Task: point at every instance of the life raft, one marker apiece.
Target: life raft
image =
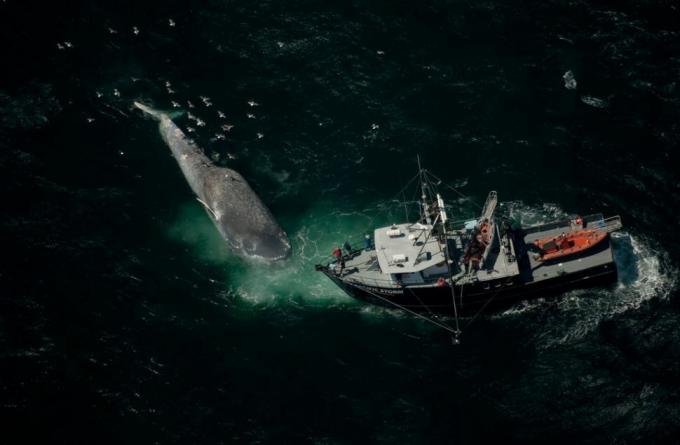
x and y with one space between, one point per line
568 243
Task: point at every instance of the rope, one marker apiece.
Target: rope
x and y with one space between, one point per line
454 189
404 308
479 312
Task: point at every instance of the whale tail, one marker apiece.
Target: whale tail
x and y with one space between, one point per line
148 110
155 113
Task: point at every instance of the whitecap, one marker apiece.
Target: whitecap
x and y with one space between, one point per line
569 80
594 101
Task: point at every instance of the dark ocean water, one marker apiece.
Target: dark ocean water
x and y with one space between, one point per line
124 319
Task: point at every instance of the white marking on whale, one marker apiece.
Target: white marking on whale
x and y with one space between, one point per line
238 213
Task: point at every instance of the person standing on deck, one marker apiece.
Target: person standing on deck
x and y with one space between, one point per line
348 247
367 242
337 254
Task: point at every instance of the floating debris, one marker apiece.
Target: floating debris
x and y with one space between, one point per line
594 101
569 80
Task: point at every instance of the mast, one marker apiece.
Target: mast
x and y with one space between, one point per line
423 195
443 242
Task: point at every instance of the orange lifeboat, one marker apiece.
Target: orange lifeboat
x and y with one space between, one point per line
568 243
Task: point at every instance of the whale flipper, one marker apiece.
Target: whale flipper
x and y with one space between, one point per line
207 207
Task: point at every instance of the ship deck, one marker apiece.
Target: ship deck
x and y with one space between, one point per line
535 270
362 266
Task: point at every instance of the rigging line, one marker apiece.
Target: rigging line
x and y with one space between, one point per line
454 189
479 312
422 304
404 308
416 295
406 186
447 258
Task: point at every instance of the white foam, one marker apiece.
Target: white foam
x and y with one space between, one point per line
645 273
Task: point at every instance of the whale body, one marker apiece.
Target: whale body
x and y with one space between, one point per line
238 213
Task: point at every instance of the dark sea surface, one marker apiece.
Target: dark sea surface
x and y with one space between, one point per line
125 319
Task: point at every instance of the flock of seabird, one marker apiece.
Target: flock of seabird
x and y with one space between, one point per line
205 100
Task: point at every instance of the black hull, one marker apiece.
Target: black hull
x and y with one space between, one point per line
492 296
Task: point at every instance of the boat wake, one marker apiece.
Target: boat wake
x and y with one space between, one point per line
645 273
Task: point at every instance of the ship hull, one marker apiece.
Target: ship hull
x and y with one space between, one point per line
472 298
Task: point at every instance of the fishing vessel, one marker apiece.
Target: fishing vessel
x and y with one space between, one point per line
436 265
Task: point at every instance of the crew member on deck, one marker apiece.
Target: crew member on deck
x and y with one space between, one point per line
347 247
579 222
368 244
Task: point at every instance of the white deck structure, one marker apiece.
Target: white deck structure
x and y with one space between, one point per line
407 248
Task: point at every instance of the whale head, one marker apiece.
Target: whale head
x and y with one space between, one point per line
266 246
241 217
